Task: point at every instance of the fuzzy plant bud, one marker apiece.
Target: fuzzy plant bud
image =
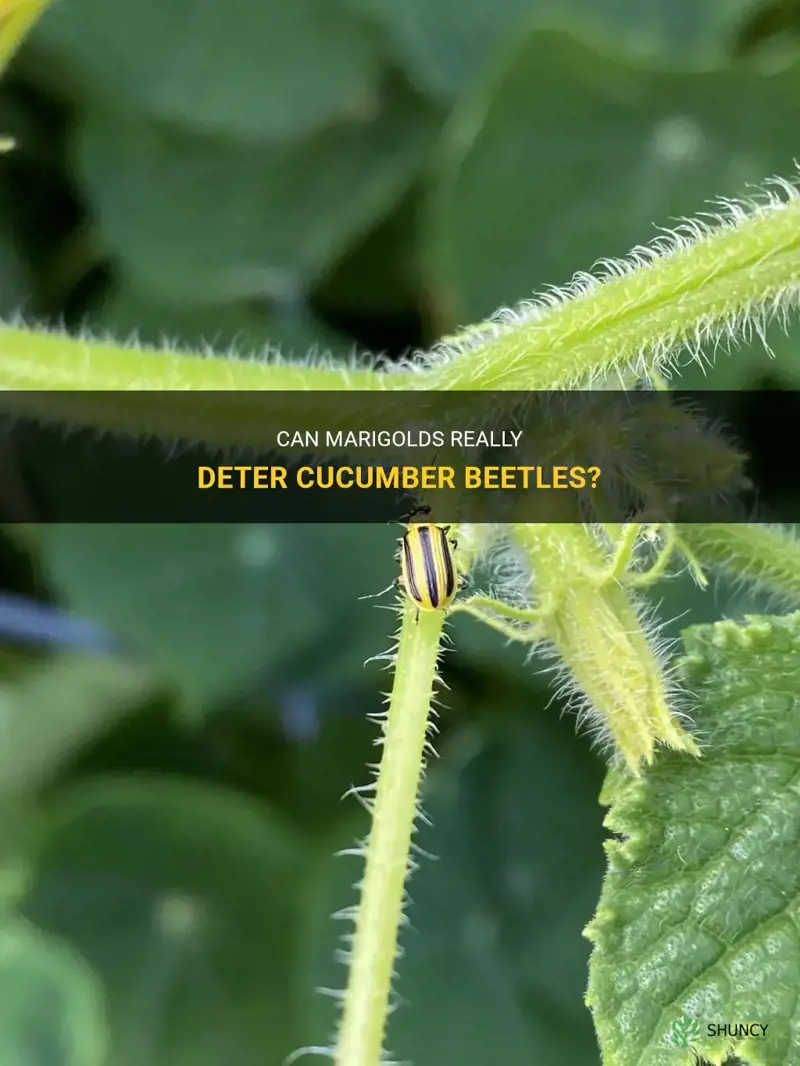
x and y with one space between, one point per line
613 667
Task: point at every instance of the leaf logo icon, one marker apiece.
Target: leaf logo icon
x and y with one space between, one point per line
684 1032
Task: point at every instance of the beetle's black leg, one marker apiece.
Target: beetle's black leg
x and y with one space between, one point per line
423 508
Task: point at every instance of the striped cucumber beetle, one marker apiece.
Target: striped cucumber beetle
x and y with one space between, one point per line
429 572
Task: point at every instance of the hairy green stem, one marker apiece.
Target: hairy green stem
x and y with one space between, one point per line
37 359
366 1004
706 285
767 555
693 293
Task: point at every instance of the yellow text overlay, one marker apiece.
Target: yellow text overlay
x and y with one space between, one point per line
398 477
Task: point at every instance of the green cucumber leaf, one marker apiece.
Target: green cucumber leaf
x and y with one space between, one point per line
249 69
183 898
52 1011
698 924
447 44
196 218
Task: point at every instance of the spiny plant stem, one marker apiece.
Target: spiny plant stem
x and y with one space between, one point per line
37 359
699 285
380 909
767 555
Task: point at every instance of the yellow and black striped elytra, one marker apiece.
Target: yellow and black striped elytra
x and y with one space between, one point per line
429 574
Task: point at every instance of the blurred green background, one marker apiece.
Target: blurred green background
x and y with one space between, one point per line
182 709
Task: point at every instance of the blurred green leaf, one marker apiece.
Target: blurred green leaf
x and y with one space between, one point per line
747 365
247 329
36 217
52 706
183 898
216 606
566 156
201 219
531 798
698 915
486 649
51 1006
493 966
459 1001
448 44
15 280
255 71
379 276
680 32
210 605
680 601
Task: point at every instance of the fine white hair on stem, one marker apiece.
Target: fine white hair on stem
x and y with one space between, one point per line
366 795
765 558
721 327
517 585
590 720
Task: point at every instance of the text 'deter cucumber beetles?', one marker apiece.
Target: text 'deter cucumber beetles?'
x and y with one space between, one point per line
429 573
